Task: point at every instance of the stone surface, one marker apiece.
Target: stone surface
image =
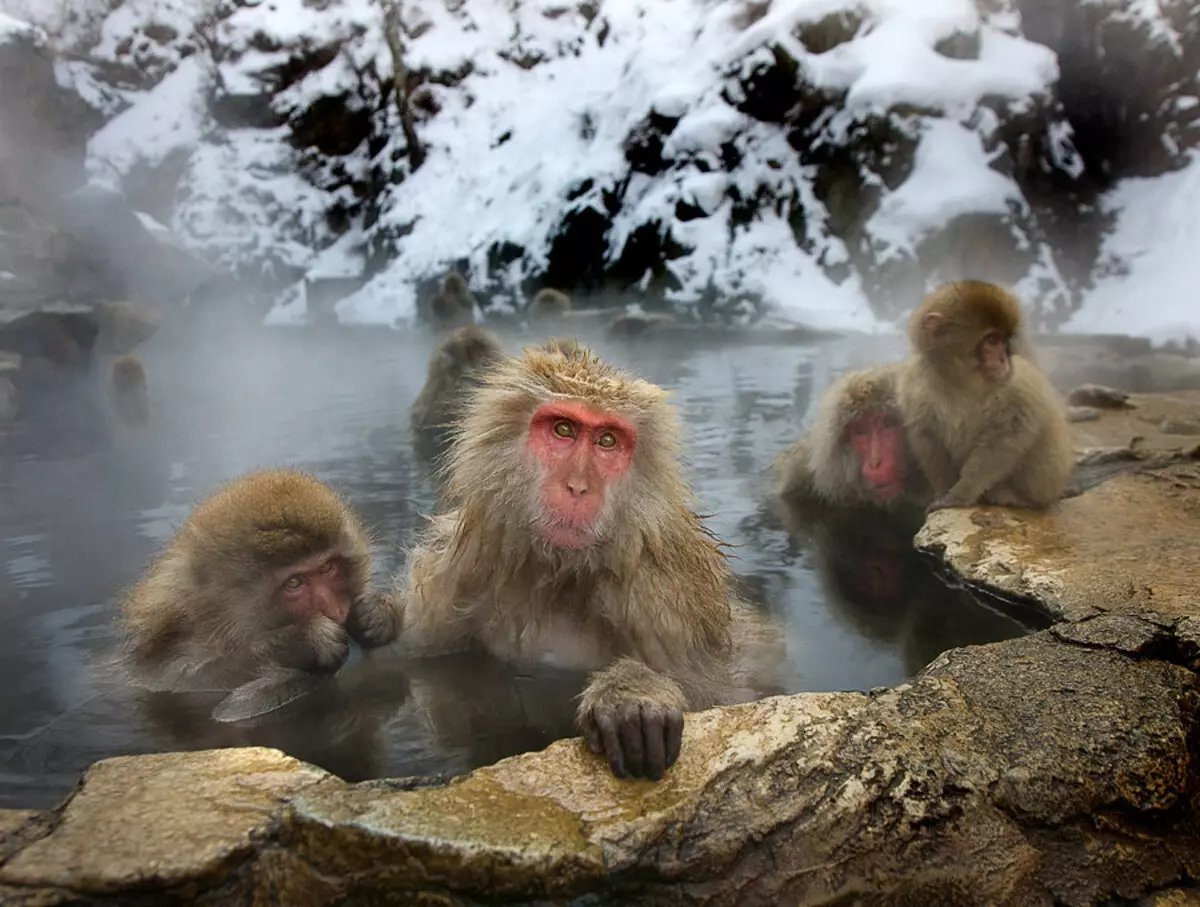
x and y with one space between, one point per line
1030 772
1162 421
1128 545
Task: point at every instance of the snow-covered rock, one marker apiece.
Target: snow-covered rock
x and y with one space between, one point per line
829 159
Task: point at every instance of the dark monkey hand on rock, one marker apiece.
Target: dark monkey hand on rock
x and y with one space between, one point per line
568 538
266 580
984 424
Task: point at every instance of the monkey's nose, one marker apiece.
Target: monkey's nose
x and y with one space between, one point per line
577 487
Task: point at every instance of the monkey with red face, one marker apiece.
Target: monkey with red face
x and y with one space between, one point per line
855 454
265 584
569 539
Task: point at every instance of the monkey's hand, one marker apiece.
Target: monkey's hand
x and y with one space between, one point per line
374 620
945 502
634 717
319 645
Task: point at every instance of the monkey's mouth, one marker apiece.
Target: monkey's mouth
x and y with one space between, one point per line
567 535
886 492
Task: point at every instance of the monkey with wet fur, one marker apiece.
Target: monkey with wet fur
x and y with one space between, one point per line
548 303
568 539
984 424
453 368
855 453
266 582
127 389
453 305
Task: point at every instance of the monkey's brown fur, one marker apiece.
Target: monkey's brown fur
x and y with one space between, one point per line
127 388
454 304
203 616
821 469
649 606
548 302
1000 442
453 368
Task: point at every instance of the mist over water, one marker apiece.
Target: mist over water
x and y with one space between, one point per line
84 506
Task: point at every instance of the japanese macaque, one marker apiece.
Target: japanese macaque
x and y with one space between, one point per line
127 389
567 539
453 305
855 453
983 423
453 369
548 303
259 592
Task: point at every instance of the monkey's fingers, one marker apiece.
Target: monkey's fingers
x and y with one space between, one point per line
632 725
591 733
611 738
674 735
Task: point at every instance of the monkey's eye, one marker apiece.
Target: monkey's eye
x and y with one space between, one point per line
292 583
564 429
607 440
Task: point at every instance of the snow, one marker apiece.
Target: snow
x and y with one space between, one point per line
17 30
1157 236
515 147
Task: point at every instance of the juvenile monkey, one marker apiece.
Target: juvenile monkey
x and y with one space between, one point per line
127 389
983 422
453 368
548 303
855 453
568 539
453 304
263 586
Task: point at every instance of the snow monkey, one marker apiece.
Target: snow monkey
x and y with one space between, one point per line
548 303
983 422
567 538
855 453
127 389
265 583
453 304
453 368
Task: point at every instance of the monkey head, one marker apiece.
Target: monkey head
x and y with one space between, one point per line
858 448
555 443
468 348
284 536
968 330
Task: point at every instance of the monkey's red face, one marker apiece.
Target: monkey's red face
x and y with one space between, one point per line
993 356
581 452
315 588
877 439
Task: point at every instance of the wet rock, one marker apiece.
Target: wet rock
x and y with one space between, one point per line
1029 772
1127 546
1154 419
1082 414
1098 396
161 821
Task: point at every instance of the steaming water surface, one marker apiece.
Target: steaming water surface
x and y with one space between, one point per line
83 508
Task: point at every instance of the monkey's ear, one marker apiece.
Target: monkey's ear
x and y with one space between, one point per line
934 325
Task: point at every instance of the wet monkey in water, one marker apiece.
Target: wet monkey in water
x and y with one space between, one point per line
984 424
855 453
266 582
453 305
127 390
548 303
567 538
453 368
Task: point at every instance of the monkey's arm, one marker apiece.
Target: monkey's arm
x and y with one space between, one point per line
318 645
997 450
933 458
791 475
431 616
374 620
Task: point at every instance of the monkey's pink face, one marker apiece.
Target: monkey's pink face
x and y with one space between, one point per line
580 453
993 356
877 438
315 588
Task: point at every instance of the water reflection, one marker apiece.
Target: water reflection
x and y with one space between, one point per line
84 506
